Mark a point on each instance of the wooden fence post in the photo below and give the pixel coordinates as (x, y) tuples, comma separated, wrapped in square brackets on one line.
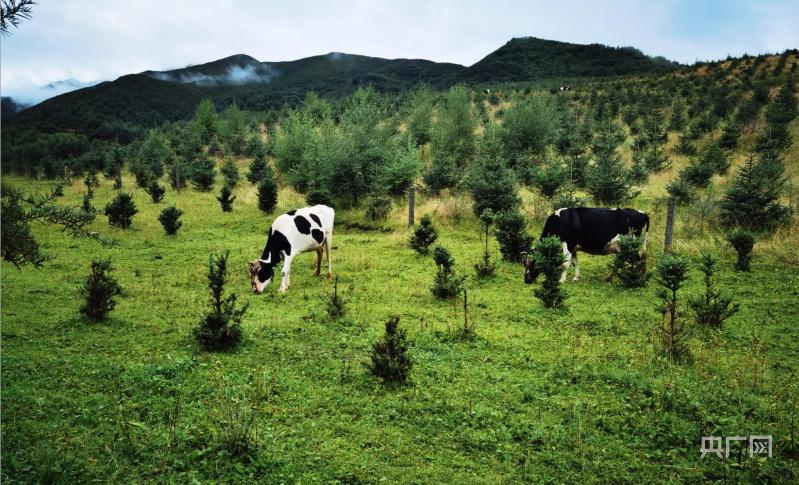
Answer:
[(669, 225), (411, 204)]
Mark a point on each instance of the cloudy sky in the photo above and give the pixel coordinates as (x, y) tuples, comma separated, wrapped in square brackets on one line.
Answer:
[(97, 40)]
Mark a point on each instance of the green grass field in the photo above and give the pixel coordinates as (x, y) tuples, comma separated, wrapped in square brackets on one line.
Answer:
[(577, 395)]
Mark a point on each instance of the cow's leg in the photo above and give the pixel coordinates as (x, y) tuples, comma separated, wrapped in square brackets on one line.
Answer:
[(284, 274), (576, 267), (328, 251), (566, 261), (318, 260)]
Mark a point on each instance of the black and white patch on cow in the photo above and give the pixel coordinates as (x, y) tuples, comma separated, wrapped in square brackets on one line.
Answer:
[(292, 233), (592, 231)]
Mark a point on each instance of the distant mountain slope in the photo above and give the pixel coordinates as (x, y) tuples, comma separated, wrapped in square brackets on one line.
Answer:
[(530, 58), (152, 97)]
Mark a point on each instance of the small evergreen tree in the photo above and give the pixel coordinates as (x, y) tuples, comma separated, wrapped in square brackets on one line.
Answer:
[(628, 263), (230, 172), (607, 180), (389, 360), (549, 178), (492, 185), (99, 291), (170, 219), (548, 258), (87, 206), (319, 196), (226, 198), (715, 159), (202, 173), (424, 235), (655, 160), (91, 181), (378, 207), (753, 200), (335, 304), (681, 190), (220, 328), (267, 192), (486, 267), (713, 307), (258, 166), (672, 332), (512, 235), (742, 241), (155, 190), (121, 210), (446, 284)]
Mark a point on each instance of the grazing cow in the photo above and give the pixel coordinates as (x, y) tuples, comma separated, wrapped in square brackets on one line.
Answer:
[(292, 233), (591, 230)]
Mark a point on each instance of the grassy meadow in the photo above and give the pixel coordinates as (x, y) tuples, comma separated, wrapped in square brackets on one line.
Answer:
[(575, 395)]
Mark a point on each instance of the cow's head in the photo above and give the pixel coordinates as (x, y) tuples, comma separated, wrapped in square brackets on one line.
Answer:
[(261, 274), (530, 271)]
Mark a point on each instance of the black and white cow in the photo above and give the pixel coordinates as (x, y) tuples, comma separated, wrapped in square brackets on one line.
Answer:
[(591, 230), (292, 233)]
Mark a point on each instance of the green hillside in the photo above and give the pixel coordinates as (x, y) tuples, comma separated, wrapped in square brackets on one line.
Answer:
[(530, 58)]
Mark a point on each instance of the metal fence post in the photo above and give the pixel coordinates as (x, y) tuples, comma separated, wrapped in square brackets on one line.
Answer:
[(669, 225)]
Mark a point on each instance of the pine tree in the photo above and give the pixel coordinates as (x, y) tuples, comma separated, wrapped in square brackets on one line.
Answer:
[(512, 235), (424, 235), (121, 210), (99, 291), (389, 360), (226, 198), (491, 183), (712, 307), (742, 241), (258, 166), (608, 179), (203, 173), (267, 191), (628, 263), (206, 121), (548, 258), (170, 219), (447, 284), (230, 172), (672, 332), (753, 200), (486, 267), (155, 190), (220, 328)]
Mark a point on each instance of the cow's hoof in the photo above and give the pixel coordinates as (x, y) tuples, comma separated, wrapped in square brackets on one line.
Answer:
[(576, 279)]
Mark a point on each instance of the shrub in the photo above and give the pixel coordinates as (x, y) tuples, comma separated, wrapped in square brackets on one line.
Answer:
[(170, 219), (99, 291), (492, 185), (447, 283), (267, 192), (155, 190), (742, 241), (378, 207), (697, 173), (713, 307), (607, 180), (715, 159), (672, 333), (390, 361), (655, 160), (548, 258), (121, 210), (628, 263), (512, 235), (424, 235), (486, 267), (220, 329), (230, 172), (226, 198), (319, 196)]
